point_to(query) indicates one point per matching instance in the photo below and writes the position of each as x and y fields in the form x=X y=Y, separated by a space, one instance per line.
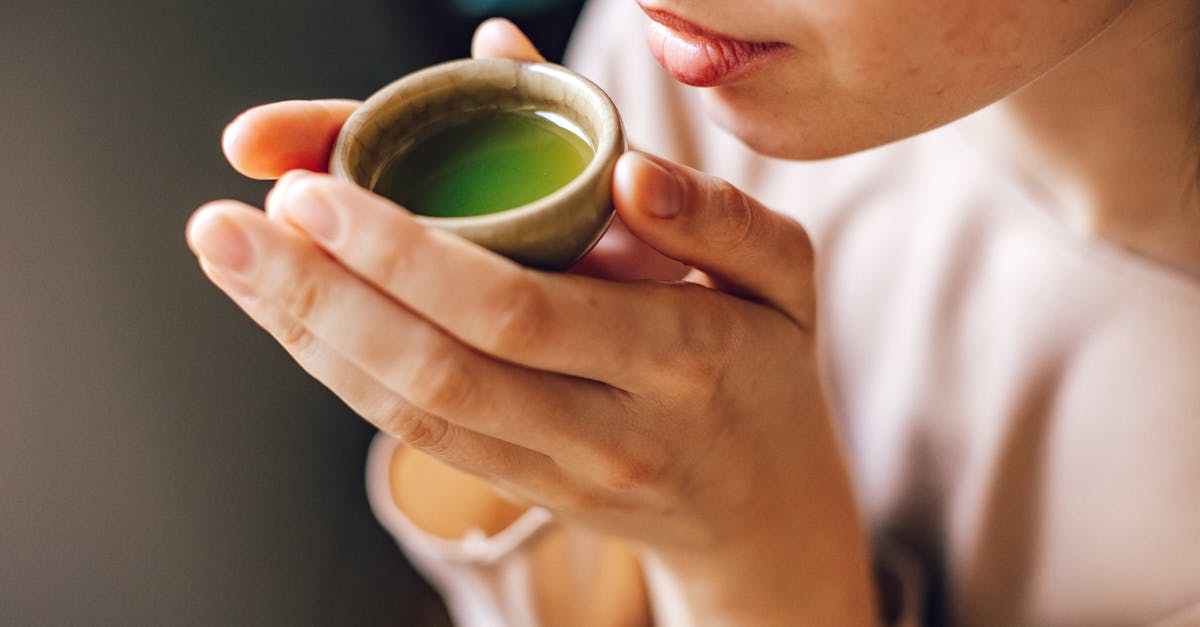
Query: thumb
x=707 y=223
x=500 y=38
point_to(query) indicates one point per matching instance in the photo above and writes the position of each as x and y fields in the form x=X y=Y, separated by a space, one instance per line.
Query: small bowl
x=550 y=233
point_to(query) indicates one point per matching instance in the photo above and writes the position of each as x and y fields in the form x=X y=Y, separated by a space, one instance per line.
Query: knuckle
x=737 y=219
x=796 y=238
x=797 y=301
x=292 y=335
x=302 y=300
x=689 y=369
x=628 y=472
x=704 y=371
x=441 y=382
x=708 y=343
x=396 y=417
x=416 y=428
x=579 y=501
x=520 y=317
x=297 y=339
x=392 y=259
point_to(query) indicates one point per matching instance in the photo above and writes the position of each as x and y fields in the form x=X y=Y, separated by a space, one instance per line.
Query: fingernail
x=222 y=243
x=312 y=211
x=665 y=194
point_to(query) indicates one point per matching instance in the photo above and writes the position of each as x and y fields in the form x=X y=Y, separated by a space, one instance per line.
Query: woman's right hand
x=266 y=142
x=269 y=140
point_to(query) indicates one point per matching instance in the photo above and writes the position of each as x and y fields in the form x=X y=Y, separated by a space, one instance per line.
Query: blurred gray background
x=162 y=462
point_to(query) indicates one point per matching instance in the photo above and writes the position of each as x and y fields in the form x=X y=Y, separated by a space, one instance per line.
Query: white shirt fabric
x=1020 y=404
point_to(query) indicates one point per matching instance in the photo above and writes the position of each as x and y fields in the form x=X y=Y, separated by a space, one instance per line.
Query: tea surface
x=485 y=163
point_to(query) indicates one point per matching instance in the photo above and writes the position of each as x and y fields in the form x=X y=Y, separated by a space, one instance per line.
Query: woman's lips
x=700 y=57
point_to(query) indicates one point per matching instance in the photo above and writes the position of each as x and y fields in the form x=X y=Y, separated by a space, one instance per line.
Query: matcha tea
x=485 y=162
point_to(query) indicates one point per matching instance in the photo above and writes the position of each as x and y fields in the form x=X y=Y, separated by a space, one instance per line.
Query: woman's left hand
x=687 y=416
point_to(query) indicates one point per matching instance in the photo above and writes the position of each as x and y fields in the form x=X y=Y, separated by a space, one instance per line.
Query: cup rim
x=608 y=145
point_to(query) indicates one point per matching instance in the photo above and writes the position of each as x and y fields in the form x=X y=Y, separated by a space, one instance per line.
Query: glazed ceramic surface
x=550 y=233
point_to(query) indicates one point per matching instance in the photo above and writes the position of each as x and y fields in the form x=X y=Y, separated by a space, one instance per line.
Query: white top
x=1021 y=405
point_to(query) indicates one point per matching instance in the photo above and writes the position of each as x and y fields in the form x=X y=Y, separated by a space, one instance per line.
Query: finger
x=711 y=225
x=500 y=38
x=414 y=359
x=462 y=448
x=604 y=331
x=268 y=140
x=621 y=256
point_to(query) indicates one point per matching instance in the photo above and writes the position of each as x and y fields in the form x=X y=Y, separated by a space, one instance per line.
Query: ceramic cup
x=550 y=233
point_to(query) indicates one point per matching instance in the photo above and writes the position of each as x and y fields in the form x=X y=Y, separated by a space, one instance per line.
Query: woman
x=980 y=375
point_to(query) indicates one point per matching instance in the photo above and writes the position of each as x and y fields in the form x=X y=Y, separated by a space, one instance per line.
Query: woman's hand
x=686 y=416
x=270 y=140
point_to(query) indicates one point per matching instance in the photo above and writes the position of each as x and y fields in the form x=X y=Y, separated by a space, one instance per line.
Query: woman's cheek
x=868 y=72
x=839 y=90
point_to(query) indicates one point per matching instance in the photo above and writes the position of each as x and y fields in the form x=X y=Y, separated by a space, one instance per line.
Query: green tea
x=484 y=163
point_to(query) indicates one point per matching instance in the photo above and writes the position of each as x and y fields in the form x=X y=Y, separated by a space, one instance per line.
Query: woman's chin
x=800 y=133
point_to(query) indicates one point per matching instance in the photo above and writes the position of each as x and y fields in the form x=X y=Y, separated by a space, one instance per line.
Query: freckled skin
x=868 y=72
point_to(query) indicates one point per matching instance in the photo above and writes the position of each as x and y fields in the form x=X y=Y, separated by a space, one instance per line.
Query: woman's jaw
x=822 y=78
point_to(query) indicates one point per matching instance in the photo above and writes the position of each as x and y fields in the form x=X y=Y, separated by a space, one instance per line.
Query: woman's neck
x=1111 y=133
